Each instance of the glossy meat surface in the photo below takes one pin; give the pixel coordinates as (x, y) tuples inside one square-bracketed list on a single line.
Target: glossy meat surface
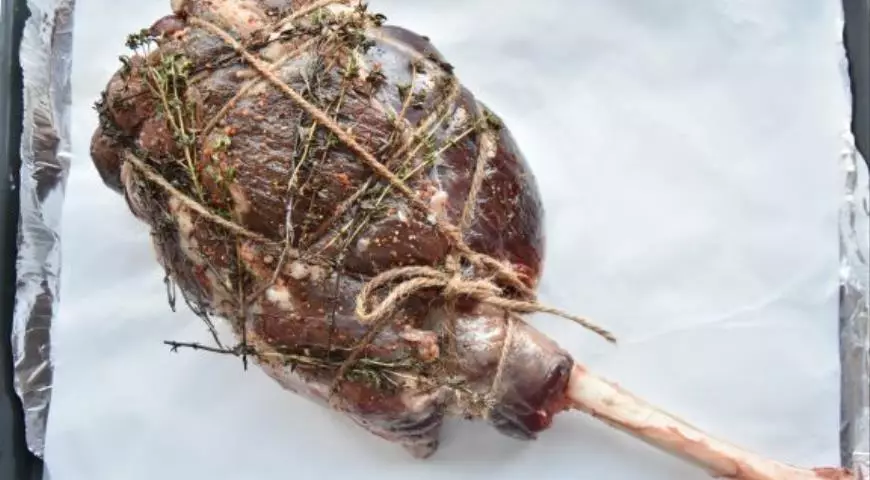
[(263, 167)]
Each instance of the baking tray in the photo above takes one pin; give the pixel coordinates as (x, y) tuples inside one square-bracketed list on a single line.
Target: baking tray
[(19, 453)]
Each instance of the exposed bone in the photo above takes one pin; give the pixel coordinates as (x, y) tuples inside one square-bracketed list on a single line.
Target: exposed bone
[(611, 404)]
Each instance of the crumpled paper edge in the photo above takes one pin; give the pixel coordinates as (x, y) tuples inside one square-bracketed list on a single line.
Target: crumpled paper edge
[(46, 56)]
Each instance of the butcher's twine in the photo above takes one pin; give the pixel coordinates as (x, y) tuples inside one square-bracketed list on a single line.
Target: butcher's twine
[(452, 282)]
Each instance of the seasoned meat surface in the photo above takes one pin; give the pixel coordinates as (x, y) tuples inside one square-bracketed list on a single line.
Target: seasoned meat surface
[(264, 217)]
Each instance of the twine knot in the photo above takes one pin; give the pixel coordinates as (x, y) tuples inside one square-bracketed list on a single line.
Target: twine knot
[(408, 281), (452, 283), (454, 286)]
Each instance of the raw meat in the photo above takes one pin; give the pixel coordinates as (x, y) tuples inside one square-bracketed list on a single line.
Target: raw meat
[(337, 243)]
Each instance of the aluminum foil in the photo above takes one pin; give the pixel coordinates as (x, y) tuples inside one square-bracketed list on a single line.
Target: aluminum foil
[(46, 58), (855, 314)]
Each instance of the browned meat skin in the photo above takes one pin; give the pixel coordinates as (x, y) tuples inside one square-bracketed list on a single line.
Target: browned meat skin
[(263, 138)]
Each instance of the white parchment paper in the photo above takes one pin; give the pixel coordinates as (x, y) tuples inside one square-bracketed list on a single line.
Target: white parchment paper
[(687, 153)]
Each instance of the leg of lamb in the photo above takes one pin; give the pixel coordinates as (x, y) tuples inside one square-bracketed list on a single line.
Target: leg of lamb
[(367, 227)]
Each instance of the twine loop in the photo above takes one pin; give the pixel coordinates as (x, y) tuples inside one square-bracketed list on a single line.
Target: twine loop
[(404, 282)]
